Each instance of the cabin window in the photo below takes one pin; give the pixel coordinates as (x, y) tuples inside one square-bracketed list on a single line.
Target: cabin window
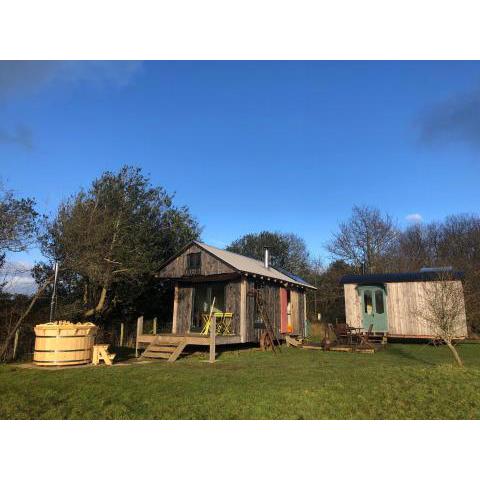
[(367, 301), (379, 307), (194, 261)]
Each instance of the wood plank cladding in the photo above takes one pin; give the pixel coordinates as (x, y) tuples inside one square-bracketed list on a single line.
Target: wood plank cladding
[(210, 265), (403, 299)]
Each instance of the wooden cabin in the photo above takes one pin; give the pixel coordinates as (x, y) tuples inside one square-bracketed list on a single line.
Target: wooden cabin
[(388, 300), (200, 273)]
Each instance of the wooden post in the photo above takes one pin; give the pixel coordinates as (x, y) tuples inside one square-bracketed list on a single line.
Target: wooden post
[(175, 309), (122, 326), (15, 343), (139, 332), (243, 310), (155, 326), (213, 333)]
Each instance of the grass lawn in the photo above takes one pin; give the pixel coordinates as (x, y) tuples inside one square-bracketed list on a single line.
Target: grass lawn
[(401, 382)]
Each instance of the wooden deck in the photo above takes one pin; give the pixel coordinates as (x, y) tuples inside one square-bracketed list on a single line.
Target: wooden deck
[(190, 339)]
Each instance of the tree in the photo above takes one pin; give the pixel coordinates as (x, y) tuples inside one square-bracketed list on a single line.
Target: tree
[(454, 242), (18, 224), (368, 238), (441, 308), (287, 250), (329, 292), (113, 237)]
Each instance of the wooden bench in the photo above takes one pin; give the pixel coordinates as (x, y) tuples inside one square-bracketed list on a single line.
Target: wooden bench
[(100, 352)]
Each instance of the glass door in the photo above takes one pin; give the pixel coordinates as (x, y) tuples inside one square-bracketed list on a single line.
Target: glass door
[(374, 311), (203, 295)]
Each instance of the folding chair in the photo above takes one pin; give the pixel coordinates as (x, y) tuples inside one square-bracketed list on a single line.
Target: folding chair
[(364, 339), (219, 322), (227, 323)]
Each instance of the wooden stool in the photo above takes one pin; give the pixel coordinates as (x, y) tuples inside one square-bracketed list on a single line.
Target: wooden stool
[(100, 352)]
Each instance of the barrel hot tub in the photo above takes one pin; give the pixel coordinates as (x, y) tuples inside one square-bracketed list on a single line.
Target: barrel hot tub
[(64, 343)]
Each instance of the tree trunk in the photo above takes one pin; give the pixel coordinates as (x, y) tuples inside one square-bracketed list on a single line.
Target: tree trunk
[(99, 306), (454, 352), (4, 347)]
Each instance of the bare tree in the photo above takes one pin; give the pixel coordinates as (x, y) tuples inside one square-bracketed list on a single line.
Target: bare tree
[(442, 309), (21, 318), (367, 238)]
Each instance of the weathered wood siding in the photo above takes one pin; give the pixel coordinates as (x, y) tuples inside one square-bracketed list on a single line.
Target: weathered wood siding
[(301, 313), (353, 306), (297, 299), (184, 309), (271, 295), (403, 299), (209, 265), (233, 303)]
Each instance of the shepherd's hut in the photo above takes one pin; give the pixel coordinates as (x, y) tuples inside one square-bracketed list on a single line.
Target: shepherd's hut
[(388, 301)]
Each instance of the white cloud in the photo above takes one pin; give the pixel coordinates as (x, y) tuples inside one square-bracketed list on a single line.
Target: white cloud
[(18, 278), (414, 218)]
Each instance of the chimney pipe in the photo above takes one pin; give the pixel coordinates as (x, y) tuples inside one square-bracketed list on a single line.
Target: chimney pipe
[(267, 258)]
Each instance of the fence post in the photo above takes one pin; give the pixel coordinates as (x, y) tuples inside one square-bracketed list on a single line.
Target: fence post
[(15, 343), (213, 332), (139, 332), (121, 333), (155, 326)]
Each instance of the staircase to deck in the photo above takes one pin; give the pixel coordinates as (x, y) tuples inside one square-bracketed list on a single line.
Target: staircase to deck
[(168, 350)]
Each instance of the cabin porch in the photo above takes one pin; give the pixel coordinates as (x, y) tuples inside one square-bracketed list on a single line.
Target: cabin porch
[(171, 345)]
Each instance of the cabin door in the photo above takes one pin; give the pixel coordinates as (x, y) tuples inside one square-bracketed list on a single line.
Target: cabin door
[(203, 295), (374, 308)]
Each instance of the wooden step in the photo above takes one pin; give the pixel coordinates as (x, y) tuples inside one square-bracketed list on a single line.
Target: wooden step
[(157, 355), (162, 348)]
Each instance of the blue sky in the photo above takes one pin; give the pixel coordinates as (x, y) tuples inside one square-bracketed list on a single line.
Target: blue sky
[(251, 146)]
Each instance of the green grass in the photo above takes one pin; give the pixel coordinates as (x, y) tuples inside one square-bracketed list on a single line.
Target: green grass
[(401, 382)]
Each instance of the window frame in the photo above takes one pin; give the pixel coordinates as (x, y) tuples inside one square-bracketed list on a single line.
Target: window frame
[(194, 266)]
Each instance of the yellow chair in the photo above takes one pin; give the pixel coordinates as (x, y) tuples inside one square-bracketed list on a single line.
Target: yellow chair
[(219, 316), (206, 324), (227, 323)]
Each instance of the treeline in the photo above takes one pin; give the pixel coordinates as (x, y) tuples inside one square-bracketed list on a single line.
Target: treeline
[(111, 239)]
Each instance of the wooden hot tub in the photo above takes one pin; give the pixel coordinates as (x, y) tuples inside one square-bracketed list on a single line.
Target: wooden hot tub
[(64, 343)]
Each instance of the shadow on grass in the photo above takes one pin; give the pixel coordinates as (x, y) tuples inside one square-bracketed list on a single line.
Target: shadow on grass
[(407, 354), (123, 353)]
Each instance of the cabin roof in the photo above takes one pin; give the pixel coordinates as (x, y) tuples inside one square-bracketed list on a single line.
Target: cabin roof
[(253, 266), (399, 277), (246, 265)]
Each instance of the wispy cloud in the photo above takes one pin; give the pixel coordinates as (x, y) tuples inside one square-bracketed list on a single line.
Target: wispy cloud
[(27, 77), (22, 136), (414, 218), (23, 78), (454, 120), (18, 278)]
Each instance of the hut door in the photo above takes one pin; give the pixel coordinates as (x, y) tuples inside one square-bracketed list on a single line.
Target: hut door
[(374, 308), (283, 310)]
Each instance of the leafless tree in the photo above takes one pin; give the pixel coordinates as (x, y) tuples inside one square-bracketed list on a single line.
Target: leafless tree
[(441, 307), (367, 238)]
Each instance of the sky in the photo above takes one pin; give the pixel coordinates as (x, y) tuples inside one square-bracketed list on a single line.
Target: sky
[(250, 146)]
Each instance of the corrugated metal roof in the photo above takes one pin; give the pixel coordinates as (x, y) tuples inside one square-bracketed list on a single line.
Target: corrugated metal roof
[(397, 277), (252, 266)]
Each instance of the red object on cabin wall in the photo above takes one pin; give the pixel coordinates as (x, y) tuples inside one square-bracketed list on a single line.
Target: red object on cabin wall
[(283, 311)]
